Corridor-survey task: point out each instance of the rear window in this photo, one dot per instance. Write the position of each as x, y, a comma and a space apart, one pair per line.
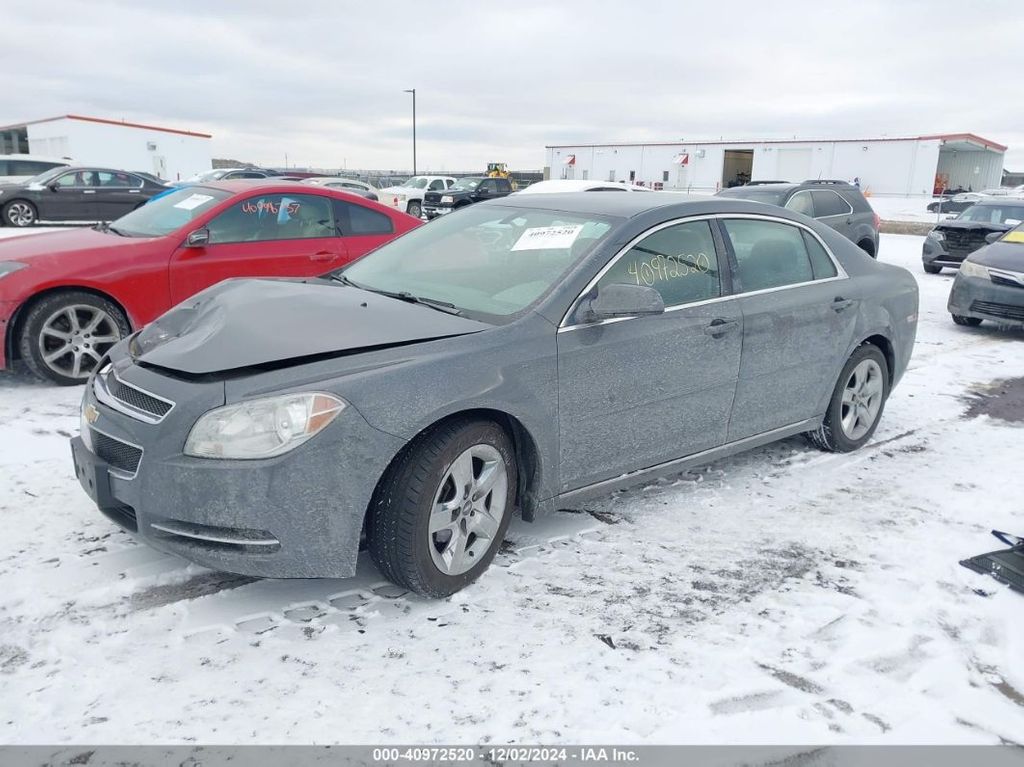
757, 194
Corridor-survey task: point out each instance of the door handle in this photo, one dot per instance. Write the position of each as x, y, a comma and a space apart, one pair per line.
720, 327
323, 255
88, 191
839, 303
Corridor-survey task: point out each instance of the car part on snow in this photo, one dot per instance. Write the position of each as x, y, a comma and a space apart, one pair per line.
1005, 565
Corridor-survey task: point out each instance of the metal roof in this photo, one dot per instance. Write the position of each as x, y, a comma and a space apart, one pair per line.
103, 121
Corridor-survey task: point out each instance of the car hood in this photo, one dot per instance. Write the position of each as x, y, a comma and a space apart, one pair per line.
1001, 255
39, 245
973, 225
256, 322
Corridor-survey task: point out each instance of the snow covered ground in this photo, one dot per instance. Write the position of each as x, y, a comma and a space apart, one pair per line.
782, 596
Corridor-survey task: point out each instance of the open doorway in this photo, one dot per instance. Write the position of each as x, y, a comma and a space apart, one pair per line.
738, 165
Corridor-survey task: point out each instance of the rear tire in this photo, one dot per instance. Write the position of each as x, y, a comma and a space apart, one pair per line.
415, 209
441, 510
970, 322
20, 213
857, 402
932, 269
64, 335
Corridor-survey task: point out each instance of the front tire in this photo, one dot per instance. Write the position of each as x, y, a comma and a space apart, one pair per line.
970, 322
441, 510
65, 335
857, 402
415, 209
20, 213
932, 269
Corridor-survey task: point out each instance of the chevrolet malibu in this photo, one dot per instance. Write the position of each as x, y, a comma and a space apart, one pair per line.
67, 297
520, 355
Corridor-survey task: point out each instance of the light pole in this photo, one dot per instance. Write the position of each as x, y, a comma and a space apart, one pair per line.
413, 92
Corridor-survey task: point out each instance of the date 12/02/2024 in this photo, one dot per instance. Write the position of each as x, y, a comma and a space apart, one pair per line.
505, 754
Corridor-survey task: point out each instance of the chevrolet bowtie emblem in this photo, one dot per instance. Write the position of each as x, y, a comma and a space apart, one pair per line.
91, 414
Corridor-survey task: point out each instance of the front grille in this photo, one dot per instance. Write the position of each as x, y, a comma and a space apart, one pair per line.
432, 197
119, 455
136, 398
1003, 311
964, 241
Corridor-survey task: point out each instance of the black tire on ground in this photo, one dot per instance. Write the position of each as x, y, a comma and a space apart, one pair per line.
830, 436
868, 247
970, 322
41, 312
28, 213
415, 209
397, 528
932, 269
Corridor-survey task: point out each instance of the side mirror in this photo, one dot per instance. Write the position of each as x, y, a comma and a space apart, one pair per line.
993, 236
199, 238
622, 300
53, 186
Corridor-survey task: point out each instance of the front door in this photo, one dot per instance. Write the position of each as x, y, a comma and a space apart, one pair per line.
799, 313
70, 197
637, 392
268, 235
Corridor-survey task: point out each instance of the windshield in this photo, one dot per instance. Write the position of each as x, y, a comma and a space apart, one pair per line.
465, 185
419, 182
993, 214
209, 175
489, 260
43, 178
169, 211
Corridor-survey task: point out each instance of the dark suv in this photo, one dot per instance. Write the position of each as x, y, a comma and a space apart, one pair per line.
465, 191
835, 203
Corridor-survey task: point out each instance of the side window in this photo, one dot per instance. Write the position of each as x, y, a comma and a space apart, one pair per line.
828, 203
436, 185
12, 164
448, 183
801, 203
78, 179
116, 180
679, 261
24, 167
821, 264
274, 217
354, 219
488, 186
768, 254
504, 185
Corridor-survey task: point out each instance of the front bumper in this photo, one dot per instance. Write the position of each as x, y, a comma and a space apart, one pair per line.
431, 210
934, 253
983, 299
298, 515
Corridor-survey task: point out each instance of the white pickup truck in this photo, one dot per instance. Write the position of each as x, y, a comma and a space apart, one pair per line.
409, 196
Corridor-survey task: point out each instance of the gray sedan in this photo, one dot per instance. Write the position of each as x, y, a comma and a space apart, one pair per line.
517, 356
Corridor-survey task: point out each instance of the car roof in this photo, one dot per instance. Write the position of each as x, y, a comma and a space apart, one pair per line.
1002, 202
621, 205
269, 185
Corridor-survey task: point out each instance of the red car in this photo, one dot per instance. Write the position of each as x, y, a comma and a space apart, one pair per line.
66, 297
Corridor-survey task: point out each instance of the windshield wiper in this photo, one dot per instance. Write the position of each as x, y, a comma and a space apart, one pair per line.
115, 230
403, 295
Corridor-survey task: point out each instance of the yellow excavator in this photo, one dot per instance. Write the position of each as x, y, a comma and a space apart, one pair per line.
499, 170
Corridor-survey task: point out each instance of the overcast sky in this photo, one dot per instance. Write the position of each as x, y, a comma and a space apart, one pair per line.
322, 81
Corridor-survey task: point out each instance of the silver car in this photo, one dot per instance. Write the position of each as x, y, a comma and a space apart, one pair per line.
513, 357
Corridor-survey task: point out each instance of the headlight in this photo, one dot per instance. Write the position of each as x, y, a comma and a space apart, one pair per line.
262, 428
971, 269
401, 197
6, 267
936, 235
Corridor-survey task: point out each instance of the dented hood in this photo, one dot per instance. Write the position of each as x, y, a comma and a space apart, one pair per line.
251, 322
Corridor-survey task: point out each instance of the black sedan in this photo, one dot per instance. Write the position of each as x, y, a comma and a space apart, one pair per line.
990, 284
75, 194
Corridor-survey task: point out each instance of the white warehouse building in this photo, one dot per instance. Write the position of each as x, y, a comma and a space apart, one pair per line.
169, 153
920, 165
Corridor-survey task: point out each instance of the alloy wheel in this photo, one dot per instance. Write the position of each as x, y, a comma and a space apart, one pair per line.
862, 399
468, 509
20, 214
75, 338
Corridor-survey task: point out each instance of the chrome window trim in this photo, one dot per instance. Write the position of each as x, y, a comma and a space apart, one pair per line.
1006, 274
841, 273
115, 472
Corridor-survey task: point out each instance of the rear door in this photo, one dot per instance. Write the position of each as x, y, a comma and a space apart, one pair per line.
118, 193
265, 235
638, 392
799, 315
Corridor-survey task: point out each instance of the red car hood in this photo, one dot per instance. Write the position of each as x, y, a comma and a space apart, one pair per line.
38, 245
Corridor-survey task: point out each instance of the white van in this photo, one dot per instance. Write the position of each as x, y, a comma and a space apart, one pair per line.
15, 168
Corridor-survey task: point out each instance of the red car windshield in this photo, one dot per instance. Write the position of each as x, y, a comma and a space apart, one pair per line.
169, 211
